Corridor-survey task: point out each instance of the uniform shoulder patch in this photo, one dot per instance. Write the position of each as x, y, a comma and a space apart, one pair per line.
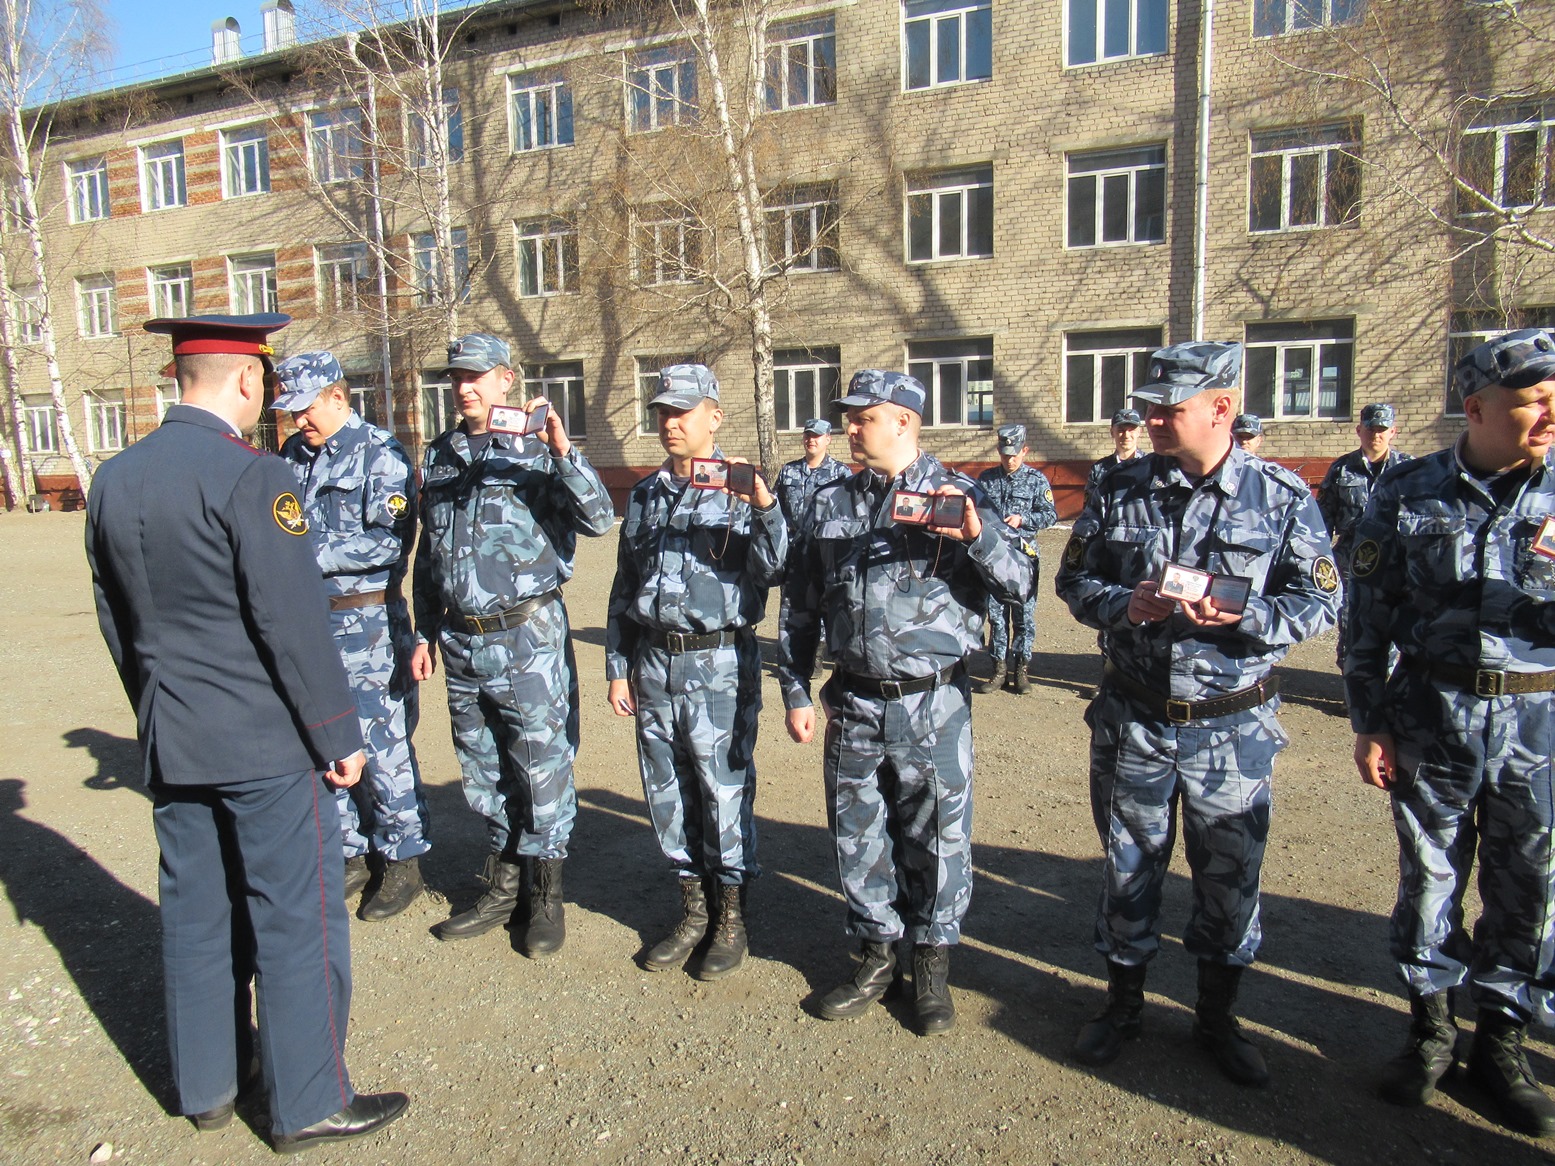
396, 504
1074, 552
1325, 575
1366, 558
288, 514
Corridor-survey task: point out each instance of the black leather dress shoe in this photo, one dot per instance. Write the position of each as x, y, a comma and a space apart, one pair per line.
213, 1119
368, 1112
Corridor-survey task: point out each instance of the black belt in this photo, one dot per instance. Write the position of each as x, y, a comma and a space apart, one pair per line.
679, 643
896, 689
1485, 682
363, 599
513, 617
1180, 712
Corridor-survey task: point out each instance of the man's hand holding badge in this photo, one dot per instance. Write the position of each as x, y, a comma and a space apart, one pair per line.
1205, 600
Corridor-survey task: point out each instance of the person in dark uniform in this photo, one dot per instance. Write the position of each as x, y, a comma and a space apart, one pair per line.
215, 614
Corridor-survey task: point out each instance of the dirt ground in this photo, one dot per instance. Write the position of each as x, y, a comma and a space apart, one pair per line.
588, 1059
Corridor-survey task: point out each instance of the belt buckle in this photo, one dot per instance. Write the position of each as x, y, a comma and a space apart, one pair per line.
477, 623
675, 642
891, 689
1179, 712
1488, 683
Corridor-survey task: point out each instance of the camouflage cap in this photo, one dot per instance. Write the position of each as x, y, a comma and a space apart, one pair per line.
1181, 371
685, 386
1011, 438
1247, 425
1377, 416
478, 352
1513, 361
876, 386
817, 427
1128, 418
303, 377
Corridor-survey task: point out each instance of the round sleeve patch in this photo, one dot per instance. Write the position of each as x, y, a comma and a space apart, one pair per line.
1325, 575
397, 504
288, 514
1074, 552
1366, 558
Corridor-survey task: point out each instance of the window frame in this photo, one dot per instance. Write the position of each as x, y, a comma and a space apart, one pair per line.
329, 283
241, 271
418, 133
1315, 344
1345, 144
937, 184
822, 364
156, 284
571, 405
559, 111
537, 240
87, 181
41, 421
91, 314
818, 204
168, 394
1134, 346
1536, 119
105, 420
155, 172
337, 149
691, 238
1099, 177
435, 414
28, 307
934, 386
424, 254
809, 34
1291, 10
957, 11
1136, 30
233, 148
681, 62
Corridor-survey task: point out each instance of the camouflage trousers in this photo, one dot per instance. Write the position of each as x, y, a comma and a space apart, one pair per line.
899, 801
696, 743
1215, 775
1475, 772
386, 811
1001, 646
513, 708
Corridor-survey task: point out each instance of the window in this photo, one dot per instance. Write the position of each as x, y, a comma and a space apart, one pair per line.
429, 267
1117, 197
426, 149
945, 42
562, 386
366, 397
802, 229
172, 290
245, 162
168, 395
1309, 177
42, 433
1300, 369
804, 385
802, 63
253, 284
547, 257
669, 245
28, 306
950, 215
88, 181
105, 421
958, 375
661, 89
648, 386
162, 176
439, 408
1509, 162
542, 113
1471, 329
345, 277
335, 144
1102, 369
1273, 17
1113, 30
95, 300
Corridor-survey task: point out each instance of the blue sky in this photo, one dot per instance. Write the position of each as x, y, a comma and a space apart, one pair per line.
154, 38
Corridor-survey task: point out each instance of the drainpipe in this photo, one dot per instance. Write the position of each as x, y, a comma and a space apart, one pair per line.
1201, 206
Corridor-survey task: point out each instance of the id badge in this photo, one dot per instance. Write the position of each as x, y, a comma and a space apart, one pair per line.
1544, 540
1184, 583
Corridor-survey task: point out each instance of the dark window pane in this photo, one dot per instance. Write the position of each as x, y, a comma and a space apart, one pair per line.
1114, 208
1114, 383
1082, 211
1115, 30
1259, 381
1296, 393
569, 275
1304, 189
1264, 198
577, 416
781, 415
1268, 20
917, 54
920, 226
1345, 11
979, 44
951, 395
826, 70
1334, 380
1344, 186
948, 36
799, 73
777, 238
950, 224
455, 132
801, 231
1079, 389
980, 228
1150, 36
1477, 167
1150, 206
528, 268
1522, 168
774, 77
1082, 32
688, 91
564, 116
1306, 14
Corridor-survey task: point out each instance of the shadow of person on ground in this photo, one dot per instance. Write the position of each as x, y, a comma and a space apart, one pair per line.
119, 764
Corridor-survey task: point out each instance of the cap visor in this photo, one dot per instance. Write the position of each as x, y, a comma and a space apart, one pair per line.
676, 401
1532, 375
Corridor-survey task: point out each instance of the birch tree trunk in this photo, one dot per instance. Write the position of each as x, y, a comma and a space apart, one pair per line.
19, 476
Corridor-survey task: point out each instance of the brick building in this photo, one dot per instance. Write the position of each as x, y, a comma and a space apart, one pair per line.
997, 195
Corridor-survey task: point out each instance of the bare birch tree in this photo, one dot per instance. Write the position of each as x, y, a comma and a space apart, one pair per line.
19, 474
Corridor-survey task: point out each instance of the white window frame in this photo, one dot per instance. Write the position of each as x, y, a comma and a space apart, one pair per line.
674, 103
87, 181
822, 369
797, 215
802, 51
657, 265
934, 409
1332, 146
96, 307
168, 394
948, 13
28, 306
549, 249
163, 184
343, 276
419, 134
238, 147
1536, 121
647, 382
1135, 358
165, 288
437, 407
560, 383
1099, 55
251, 282
42, 429
424, 250
959, 185
366, 397
1099, 178
1314, 346
337, 147
104, 422
1296, 15
548, 105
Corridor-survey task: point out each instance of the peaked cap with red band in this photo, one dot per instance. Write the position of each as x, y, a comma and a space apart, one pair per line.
235, 335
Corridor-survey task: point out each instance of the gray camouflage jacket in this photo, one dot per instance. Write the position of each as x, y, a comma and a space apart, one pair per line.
1026, 492
1343, 494
796, 487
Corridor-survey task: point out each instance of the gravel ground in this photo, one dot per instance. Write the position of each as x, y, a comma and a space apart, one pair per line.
588, 1059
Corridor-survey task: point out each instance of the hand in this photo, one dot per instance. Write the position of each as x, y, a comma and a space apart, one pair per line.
971, 524
1014, 521
344, 774
1145, 606
1375, 759
622, 703
801, 724
1204, 614
555, 433
422, 662
761, 497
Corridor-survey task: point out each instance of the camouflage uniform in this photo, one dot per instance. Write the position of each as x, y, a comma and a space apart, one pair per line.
1027, 493
358, 492
499, 528
796, 487
695, 562
1342, 498
898, 604
1099, 469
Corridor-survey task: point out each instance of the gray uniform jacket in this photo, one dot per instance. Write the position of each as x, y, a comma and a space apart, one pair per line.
1343, 495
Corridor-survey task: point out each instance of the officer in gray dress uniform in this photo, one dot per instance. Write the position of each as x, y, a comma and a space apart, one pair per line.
1023, 498
500, 517
213, 609
359, 491
1204, 566
1452, 565
902, 605
692, 575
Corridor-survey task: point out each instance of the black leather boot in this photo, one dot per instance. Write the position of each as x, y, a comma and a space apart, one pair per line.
1216, 1029
726, 952
1101, 1040
931, 988
492, 909
993, 683
1499, 1066
547, 929
1410, 1078
672, 950
398, 889
877, 972
357, 874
